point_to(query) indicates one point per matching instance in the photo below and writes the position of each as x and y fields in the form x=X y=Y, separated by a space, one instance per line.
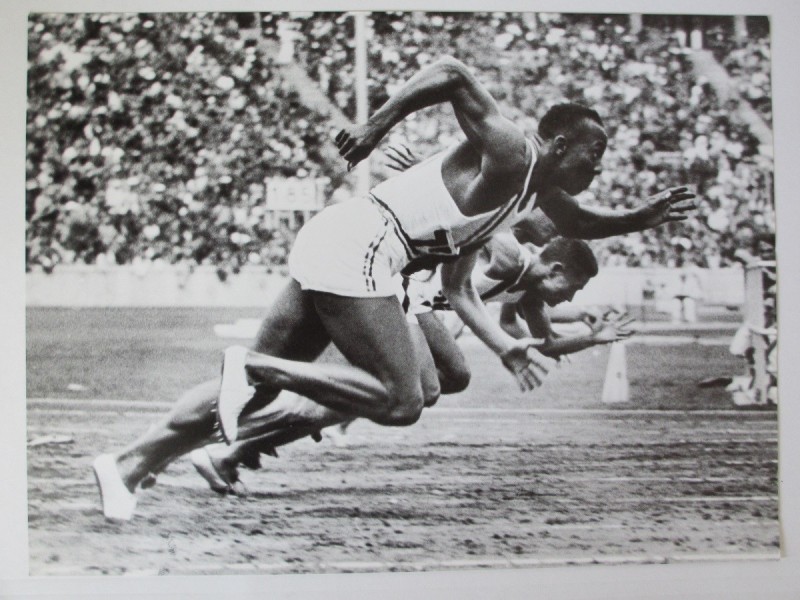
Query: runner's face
x=580 y=161
x=560 y=286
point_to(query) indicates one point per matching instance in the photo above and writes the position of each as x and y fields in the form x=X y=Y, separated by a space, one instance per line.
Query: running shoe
x=234 y=393
x=118 y=502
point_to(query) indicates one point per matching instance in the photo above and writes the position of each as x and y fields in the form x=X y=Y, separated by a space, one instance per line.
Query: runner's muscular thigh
x=373 y=335
x=291 y=329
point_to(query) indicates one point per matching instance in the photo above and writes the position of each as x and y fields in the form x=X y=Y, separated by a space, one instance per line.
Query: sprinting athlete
x=344 y=261
x=442 y=208
x=533 y=281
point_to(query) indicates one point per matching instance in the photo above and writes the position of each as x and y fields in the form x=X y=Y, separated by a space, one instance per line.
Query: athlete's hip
x=349 y=249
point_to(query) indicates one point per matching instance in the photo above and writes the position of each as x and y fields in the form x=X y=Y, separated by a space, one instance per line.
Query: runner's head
x=565 y=267
x=574 y=143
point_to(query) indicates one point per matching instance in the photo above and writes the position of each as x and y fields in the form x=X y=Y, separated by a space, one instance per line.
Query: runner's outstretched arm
x=613 y=328
x=575 y=220
x=518 y=356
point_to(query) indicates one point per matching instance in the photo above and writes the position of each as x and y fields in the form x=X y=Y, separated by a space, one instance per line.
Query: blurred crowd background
x=150 y=136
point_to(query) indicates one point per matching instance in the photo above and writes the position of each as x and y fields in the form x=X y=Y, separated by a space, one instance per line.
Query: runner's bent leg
x=383 y=384
x=450 y=363
x=291 y=417
x=290 y=328
x=429 y=376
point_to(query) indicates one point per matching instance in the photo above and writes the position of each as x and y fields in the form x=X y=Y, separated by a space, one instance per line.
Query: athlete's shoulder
x=506 y=257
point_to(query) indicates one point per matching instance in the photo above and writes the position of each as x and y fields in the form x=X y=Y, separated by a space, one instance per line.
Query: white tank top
x=428 y=221
x=490 y=290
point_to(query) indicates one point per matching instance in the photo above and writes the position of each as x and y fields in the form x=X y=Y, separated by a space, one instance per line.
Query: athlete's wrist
x=505 y=344
x=382 y=121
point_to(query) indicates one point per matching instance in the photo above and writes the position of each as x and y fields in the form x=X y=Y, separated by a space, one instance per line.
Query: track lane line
x=118 y=405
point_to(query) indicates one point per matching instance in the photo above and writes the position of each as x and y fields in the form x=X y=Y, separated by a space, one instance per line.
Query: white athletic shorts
x=348 y=249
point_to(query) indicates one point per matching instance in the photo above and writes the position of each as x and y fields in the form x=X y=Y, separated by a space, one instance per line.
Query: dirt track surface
x=486 y=479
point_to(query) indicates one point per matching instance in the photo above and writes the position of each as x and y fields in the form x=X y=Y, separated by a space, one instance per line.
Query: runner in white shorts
x=485 y=182
x=513 y=273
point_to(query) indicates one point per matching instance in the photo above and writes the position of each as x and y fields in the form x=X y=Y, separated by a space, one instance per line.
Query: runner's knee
x=456 y=378
x=190 y=421
x=431 y=396
x=431 y=390
x=404 y=405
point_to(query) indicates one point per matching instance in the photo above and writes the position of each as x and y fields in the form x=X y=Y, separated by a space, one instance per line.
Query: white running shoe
x=234 y=392
x=222 y=483
x=118 y=502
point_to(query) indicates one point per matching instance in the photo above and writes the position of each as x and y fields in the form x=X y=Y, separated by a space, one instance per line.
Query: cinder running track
x=489 y=478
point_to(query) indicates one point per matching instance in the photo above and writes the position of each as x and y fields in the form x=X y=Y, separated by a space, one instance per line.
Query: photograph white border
x=730 y=580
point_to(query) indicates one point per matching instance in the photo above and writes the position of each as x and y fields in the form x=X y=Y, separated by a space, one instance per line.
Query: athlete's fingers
x=680 y=188
x=525 y=385
x=673 y=195
x=340 y=136
x=392 y=151
x=533 y=366
x=683 y=207
x=345 y=141
x=527 y=380
x=395 y=161
x=526 y=375
x=682 y=196
x=532 y=376
x=676 y=193
x=521 y=381
x=346 y=145
x=407 y=154
x=395 y=152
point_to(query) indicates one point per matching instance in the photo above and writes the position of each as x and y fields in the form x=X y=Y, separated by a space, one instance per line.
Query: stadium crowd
x=748 y=61
x=150 y=136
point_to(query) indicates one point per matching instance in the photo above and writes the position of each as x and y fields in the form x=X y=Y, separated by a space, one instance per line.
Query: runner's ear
x=559 y=144
x=557 y=268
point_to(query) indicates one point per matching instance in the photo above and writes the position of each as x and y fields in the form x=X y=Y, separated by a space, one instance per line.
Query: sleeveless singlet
x=490 y=290
x=429 y=223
